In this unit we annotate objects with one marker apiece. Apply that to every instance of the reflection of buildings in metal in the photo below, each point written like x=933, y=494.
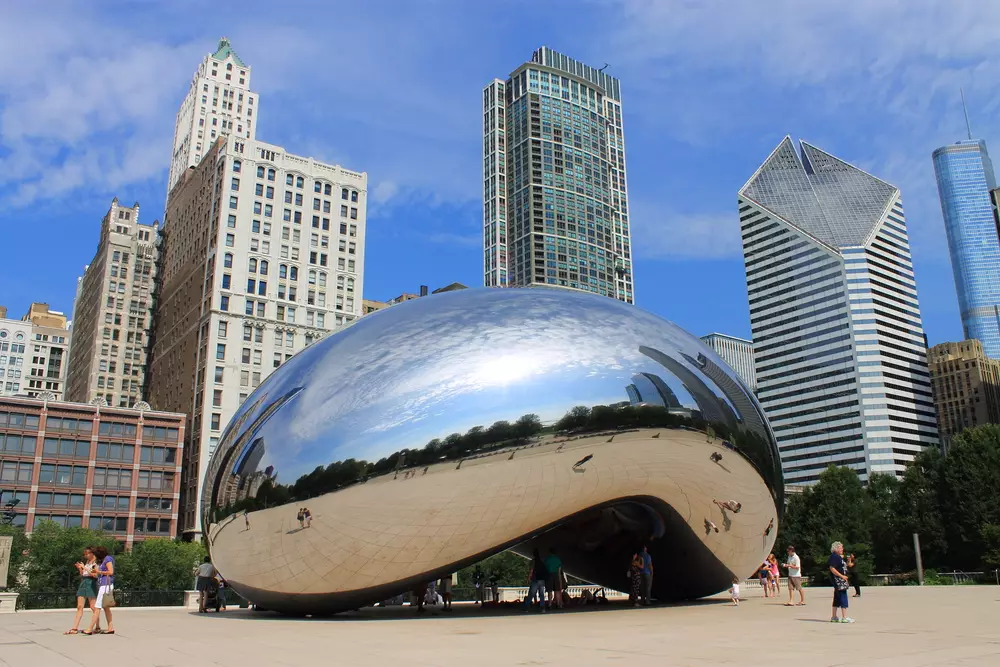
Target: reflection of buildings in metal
x=746, y=411
x=658, y=394
x=430, y=376
x=713, y=408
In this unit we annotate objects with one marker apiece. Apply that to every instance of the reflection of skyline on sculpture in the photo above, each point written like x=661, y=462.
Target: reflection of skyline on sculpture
x=353, y=397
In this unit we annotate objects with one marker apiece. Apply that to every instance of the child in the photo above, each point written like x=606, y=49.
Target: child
x=735, y=591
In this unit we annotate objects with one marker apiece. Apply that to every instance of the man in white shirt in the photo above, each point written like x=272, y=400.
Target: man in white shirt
x=794, y=566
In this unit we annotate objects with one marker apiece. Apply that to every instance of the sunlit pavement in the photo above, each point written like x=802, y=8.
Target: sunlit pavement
x=953, y=625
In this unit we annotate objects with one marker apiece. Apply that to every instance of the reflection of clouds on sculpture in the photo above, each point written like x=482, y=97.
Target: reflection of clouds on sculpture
x=432, y=366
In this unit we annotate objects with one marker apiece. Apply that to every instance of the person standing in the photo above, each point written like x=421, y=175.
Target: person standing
x=735, y=591
x=794, y=566
x=477, y=581
x=206, y=577
x=86, y=592
x=536, y=578
x=301, y=517
x=105, y=591
x=852, y=574
x=445, y=587
x=647, y=575
x=775, y=576
x=838, y=577
x=553, y=565
x=764, y=575
x=635, y=578
x=307, y=517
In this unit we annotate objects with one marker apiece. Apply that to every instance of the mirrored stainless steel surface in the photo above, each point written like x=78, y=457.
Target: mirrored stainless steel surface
x=431, y=434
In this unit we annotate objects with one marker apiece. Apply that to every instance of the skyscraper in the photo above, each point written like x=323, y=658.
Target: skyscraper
x=34, y=353
x=218, y=102
x=966, y=387
x=965, y=178
x=263, y=254
x=555, y=201
x=112, y=313
x=737, y=352
x=838, y=341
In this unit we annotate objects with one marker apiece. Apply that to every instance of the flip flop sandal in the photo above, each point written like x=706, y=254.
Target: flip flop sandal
x=109, y=632
x=74, y=631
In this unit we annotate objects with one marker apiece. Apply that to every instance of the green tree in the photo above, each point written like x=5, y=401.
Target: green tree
x=917, y=509
x=882, y=492
x=836, y=508
x=52, y=551
x=990, y=533
x=509, y=569
x=17, y=547
x=967, y=493
x=159, y=564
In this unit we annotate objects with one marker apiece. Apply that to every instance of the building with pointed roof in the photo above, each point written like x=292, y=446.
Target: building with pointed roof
x=218, y=102
x=838, y=341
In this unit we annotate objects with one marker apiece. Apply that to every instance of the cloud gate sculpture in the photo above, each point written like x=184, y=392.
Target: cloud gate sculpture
x=427, y=436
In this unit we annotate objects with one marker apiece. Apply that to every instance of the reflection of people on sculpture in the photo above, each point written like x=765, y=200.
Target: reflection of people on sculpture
x=246, y=517
x=715, y=457
x=770, y=527
x=709, y=527
x=583, y=460
x=730, y=505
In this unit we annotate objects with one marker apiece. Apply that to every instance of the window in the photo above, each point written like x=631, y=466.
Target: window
x=255, y=226
x=230, y=240
x=247, y=332
x=268, y=211
x=219, y=370
x=354, y=196
x=216, y=421
x=343, y=211
x=227, y=260
x=354, y=213
x=244, y=378
x=270, y=174
x=235, y=185
x=277, y=355
x=230, y=222
x=233, y=202
x=260, y=172
x=252, y=265
x=282, y=270
x=262, y=288
x=224, y=303
x=343, y=194
x=289, y=179
x=223, y=329
x=113, y=451
x=251, y=285
x=256, y=357
x=220, y=351
x=259, y=191
x=269, y=194
x=246, y=356
x=237, y=166
x=226, y=278
x=263, y=266
x=299, y=181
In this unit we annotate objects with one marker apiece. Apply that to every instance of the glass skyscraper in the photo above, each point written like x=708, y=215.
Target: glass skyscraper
x=838, y=341
x=555, y=202
x=965, y=178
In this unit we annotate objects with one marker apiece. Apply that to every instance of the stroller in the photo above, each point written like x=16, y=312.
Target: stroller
x=213, y=598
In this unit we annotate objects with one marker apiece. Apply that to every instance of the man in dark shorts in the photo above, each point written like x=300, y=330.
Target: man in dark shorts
x=839, y=579
x=553, y=564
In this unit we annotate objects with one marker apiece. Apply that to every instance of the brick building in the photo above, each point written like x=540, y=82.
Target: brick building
x=78, y=464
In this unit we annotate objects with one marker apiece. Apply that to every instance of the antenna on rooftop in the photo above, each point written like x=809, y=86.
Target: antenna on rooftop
x=603, y=68
x=965, y=108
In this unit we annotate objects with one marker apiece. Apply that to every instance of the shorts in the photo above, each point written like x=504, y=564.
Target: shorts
x=840, y=599
x=795, y=583
x=554, y=584
x=99, y=602
x=204, y=583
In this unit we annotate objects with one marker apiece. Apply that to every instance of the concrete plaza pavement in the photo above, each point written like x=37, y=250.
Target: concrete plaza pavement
x=951, y=625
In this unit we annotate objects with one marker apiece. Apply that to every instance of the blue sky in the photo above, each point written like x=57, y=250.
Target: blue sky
x=88, y=94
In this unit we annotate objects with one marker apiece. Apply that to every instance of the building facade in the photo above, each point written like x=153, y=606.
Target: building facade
x=965, y=179
x=370, y=306
x=112, y=313
x=838, y=340
x=86, y=465
x=34, y=353
x=966, y=387
x=263, y=254
x=737, y=352
x=218, y=102
x=555, y=199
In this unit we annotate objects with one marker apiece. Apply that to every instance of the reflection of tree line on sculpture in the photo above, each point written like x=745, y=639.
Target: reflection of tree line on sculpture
x=479, y=440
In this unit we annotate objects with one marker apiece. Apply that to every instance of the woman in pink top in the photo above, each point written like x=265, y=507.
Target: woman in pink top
x=774, y=578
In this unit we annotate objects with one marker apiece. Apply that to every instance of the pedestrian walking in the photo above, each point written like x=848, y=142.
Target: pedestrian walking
x=445, y=587
x=730, y=505
x=301, y=517
x=838, y=577
x=794, y=566
x=105, y=592
x=775, y=575
x=307, y=517
x=734, y=591
x=763, y=573
x=477, y=581
x=86, y=592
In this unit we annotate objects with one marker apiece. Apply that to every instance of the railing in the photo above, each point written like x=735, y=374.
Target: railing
x=937, y=578
x=125, y=598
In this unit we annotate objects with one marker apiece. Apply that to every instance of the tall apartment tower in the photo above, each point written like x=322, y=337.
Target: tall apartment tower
x=965, y=178
x=555, y=201
x=218, y=102
x=966, y=387
x=838, y=341
x=737, y=352
x=113, y=312
x=34, y=353
x=263, y=254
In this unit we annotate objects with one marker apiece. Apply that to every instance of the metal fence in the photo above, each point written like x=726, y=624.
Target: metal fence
x=125, y=598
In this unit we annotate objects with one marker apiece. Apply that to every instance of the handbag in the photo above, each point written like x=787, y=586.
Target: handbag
x=108, y=600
